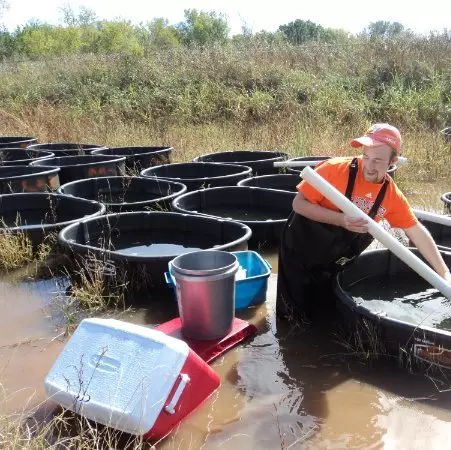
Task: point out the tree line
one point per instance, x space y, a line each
83 32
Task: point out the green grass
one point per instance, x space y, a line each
406 81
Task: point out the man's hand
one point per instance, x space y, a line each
355 224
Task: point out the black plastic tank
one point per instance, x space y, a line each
136 247
66 148
200 175
439 226
121 194
38 214
28 179
392 311
16 141
139 158
446 133
265 211
280 181
21 156
87 166
260 161
446 199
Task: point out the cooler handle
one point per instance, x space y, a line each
185 379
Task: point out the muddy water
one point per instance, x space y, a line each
29 342
288 388
282 389
285 388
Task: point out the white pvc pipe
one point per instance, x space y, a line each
296 163
401 160
404 254
436 218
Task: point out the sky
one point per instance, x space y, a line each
352 15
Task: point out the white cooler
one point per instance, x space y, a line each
129 377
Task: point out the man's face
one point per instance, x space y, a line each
376 161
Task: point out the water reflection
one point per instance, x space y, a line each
291 388
284 388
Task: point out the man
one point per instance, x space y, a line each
318 239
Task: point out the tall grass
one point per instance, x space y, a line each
308 99
429 156
15 251
406 81
61 430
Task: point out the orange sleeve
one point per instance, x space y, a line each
310 193
400 214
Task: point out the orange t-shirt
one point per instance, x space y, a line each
394 208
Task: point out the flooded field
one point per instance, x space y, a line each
283 389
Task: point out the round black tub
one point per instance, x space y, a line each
139 158
260 161
200 175
121 194
280 181
446 199
439 226
265 211
393 311
39 214
446 132
87 166
21 157
136 247
16 141
28 179
66 148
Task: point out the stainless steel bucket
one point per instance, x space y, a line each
205 287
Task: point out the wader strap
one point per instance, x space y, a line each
351 179
379 198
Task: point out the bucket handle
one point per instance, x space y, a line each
170 407
168 279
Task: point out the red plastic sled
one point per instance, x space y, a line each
210 350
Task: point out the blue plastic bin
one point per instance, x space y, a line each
249 291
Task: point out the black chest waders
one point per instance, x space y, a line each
311 253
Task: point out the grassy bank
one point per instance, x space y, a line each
406 81
305 99
429 156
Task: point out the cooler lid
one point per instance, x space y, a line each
117 373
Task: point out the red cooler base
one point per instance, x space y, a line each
210 350
202 382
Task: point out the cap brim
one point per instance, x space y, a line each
367 141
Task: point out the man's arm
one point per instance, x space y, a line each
320 214
424 242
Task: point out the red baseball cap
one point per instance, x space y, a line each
380 134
